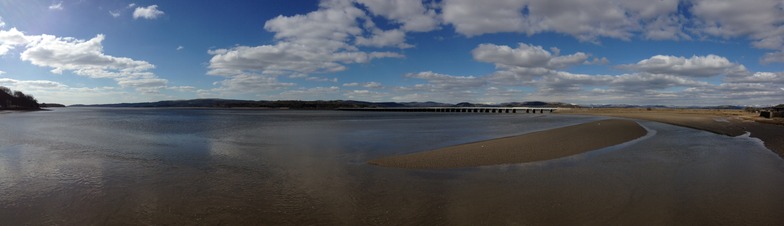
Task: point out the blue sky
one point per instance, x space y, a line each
700 52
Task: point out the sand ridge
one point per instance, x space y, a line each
531 147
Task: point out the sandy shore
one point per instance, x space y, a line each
725 122
531 147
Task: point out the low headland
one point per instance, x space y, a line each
17 101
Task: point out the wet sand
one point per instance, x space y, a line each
724 122
531 147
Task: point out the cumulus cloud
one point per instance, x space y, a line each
321 41
316 42
149 12
585 20
696 66
412 14
11 38
285 58
82 57
760 20
369 85
590 20
774 57
759 77
522 74
30 84
526 56
381 38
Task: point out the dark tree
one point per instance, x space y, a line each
17 100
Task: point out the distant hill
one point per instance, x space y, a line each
335 104
312 105
228 103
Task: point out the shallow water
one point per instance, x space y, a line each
193 166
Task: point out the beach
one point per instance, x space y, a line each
572 140
725 122
530 147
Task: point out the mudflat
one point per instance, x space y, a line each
725 122
531 147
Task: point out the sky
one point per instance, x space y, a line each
670 52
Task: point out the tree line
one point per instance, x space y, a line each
10 99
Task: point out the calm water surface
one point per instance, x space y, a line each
103 166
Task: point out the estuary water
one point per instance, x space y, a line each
110 166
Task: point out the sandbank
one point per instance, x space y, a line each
531 147
725 122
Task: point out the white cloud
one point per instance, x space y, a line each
182 88
11 38
56 6
438 81
696 66
84 57
364 94
411 13
30 84
759 77
149 12
668 27
2 72
180 48
526 56
759 20
774 57
285 58
372 85
322 41
589 20
329 27
320 79
369 85
115 13
585 20
381 38
472 18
